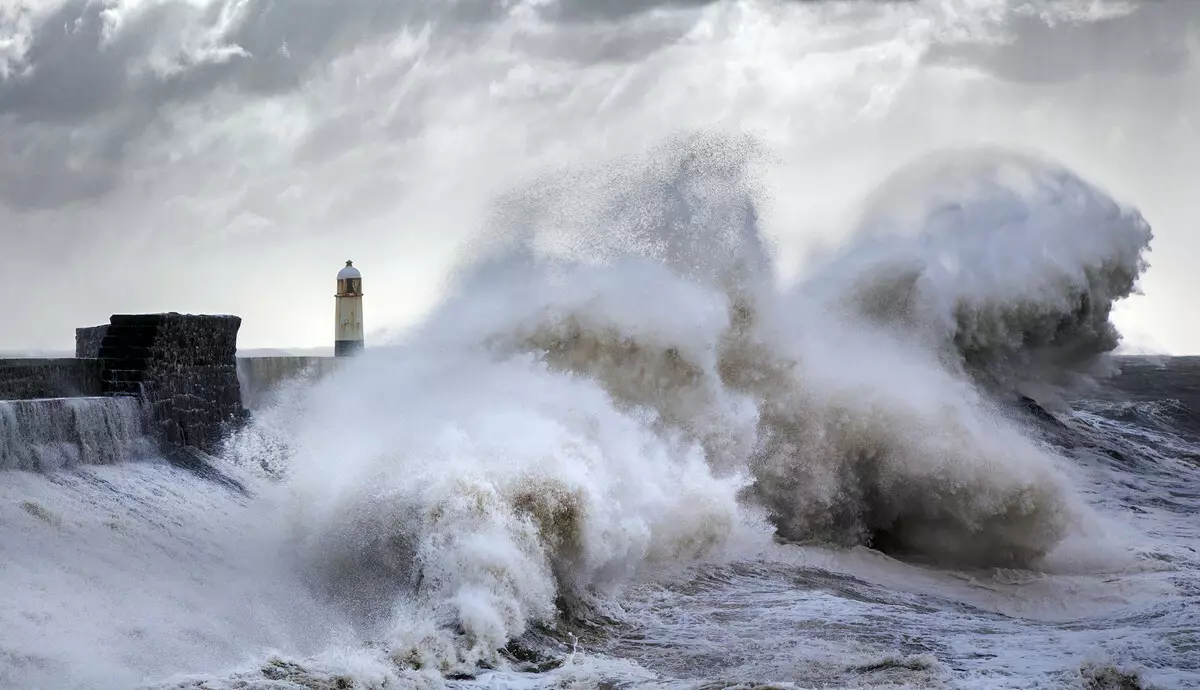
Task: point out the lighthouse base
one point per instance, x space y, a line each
346 348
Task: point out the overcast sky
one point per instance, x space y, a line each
229 155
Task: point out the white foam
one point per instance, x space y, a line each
51 433
115 575
570 422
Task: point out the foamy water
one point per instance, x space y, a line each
649 465
631 446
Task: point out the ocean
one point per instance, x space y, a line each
817 618
635 456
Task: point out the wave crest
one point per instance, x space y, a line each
1009 263
600 399
499 490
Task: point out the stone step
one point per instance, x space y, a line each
129 340
113 375
140 332
131 363
122 351
122 388
137 319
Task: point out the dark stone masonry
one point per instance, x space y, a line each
183 366
25 379
87 341
177 375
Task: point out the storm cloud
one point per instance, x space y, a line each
225 155
1150 39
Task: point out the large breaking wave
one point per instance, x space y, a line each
619 385
1007 263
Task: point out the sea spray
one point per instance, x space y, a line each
480 492
52 433
1006 264
855 431
588 411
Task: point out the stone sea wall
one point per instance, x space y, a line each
260 377
47 434
180 372
24 379
87 341
183 366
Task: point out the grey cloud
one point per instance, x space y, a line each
589 43
39 167
1155 39
63 127
593 10
75 76
71 78
68 124
313 31
68 128
606 10
107 169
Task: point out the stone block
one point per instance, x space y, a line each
87 341
184 366
27 379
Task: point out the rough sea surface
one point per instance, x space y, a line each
623 453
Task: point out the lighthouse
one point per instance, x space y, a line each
348 336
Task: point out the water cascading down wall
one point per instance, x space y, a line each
143 384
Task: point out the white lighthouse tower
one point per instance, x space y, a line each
348 338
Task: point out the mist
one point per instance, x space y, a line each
227 156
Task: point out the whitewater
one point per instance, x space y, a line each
625 453
778 347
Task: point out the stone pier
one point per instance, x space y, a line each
183 366
26 379
182 369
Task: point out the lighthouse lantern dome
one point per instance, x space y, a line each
349 272
349 281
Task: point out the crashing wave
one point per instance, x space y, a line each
1007 263
622 390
